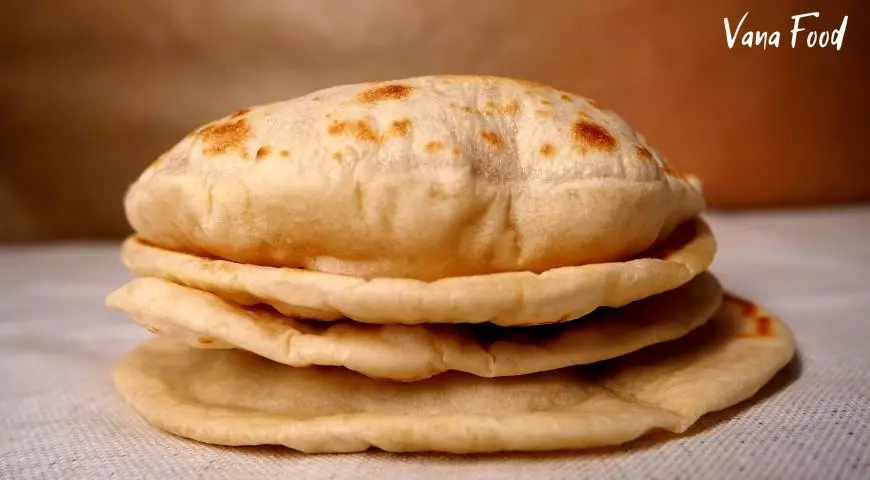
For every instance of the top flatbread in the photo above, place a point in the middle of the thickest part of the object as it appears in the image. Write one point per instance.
(422, 178)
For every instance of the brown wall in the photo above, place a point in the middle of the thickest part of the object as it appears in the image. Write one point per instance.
(92, 90)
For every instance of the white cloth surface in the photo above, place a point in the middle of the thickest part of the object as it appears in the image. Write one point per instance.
(61, 418)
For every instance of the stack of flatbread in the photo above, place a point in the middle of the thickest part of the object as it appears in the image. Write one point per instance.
(444, 263)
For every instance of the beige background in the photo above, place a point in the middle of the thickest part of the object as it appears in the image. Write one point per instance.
(91, 91)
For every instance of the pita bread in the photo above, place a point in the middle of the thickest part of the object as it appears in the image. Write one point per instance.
(233, 397)
(507, 299)
(403, 352)
(424, 178)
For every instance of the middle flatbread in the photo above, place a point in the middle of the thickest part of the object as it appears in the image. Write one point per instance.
(414, 352)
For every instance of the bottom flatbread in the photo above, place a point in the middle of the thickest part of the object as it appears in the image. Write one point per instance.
(232, 397)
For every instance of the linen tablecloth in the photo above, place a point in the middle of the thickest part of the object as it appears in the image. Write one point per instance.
(61, 418)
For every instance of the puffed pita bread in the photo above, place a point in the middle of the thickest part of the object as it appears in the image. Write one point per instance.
(422, 178)
(508, 299)
(414, 352)
(233, 397)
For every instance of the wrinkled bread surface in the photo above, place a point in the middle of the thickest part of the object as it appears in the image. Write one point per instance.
(424, 178)
(414, 352)
(508, 299)
(233, 397)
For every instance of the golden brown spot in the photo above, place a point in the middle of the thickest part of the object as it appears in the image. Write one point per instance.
(357, 129)
(240, 112)
(434, 146)
(546, 102)
(224, 137)
(667, 169)
(643, 152)
(468, 109)
(205, 340)
(455, 151)
(763, 326)
(336, 156)
(533, 86)
(510, 108)
(364, 132)
(285, 153)
(315, 99)
(454, 105)
(749, 310)
(385, 92)
(153, 329)
(746, 308)
(567, 98)
(437, 191)
(491, 138)
(548, 150)
(544, 113)
(592, 134)
(263, 152)
(400, 128)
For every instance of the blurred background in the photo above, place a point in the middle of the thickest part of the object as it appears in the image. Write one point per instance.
(91, 91)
